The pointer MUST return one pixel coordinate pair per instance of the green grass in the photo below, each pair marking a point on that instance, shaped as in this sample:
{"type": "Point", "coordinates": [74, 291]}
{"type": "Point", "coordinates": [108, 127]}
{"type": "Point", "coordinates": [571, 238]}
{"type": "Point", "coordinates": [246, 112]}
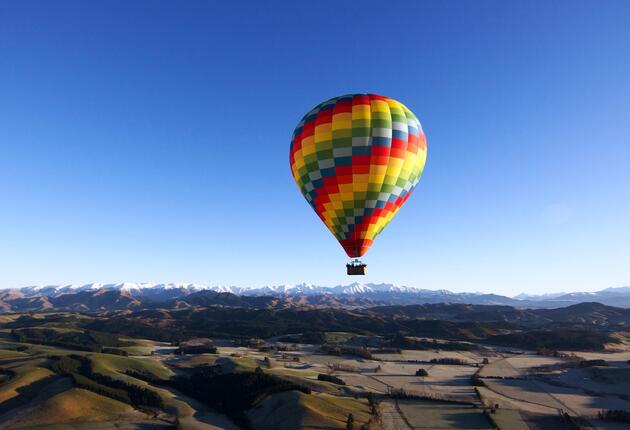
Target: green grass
{"type": "Point", "coordinates": [308, 379]}
{"type": "Point", "coordinates": [338, 336]}
{"type": "Point", "coordinates": [115, 365]}
{"type": "Point", "coordinates": [137, 350]}
{"type": "Point", "coordinates": [237, 364]}
{"type": "Point", "coordinates": [197, 360]}
{"type": "Point", "coordinates": [293, 409]}
{"type": "Point", "coordinates": [7, 353]}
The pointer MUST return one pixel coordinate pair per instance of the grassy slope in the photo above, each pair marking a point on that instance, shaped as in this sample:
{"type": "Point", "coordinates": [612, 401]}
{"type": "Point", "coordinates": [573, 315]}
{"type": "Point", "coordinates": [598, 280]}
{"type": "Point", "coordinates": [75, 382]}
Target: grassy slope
{"type": "Point", "coordinates": [73, 405]}
{"type": "Point", "coordinates": [192, 414]}
{"type": "Point", "coordinates": [293, 409]}
{"type": "Point", "coordinates": [237, 364]}
{"type": "Point", "coordinates": [103, 411]}
{"type": "Point", "coordinates": [115, 365]}
{"type": "Point", "coordinates": [26, 375]}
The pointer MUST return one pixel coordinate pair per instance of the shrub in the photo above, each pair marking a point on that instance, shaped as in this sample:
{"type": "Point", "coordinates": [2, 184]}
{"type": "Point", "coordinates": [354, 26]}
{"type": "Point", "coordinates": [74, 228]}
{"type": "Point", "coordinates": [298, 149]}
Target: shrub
{"type": "Point", "coordinates": [330, 378]}
{"type": "Point", "coordinates": [449, 361]}
{"type": "Point", "coordinates": [618, 415]}
{"type": "Point", "coordinates": [358, 351]}
{"type": "Point", "coordinates": [115, 351]}
{"type": "Point", "coordinates": [590, 363]}
{"type": "Point", "coordinates": [422, 372]}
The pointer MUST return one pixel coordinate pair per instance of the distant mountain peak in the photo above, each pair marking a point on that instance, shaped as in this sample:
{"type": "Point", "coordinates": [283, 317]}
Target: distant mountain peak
{"type": "Point", "coordinates": [371, 292]}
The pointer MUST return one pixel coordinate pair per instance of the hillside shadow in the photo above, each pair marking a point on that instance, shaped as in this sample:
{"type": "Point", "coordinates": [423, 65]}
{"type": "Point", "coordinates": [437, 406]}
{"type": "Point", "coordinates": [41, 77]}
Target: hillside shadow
{"type": "Point", "coordinates": [37, 388]}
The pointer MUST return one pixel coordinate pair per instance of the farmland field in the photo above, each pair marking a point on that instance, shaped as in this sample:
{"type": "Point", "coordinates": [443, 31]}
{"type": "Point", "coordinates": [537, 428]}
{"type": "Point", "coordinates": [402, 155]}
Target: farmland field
{"type": "Point", "coordinates": [442, 415]}
{"type": "Point", "coordinates": [53, 375]}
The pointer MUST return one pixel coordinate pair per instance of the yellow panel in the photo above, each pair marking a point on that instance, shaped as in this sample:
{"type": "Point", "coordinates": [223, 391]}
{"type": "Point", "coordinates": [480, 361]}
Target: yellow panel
{"type": "Point", "coordinates": [323, 132]}
{"type": "Point", "coordinates": [377, 176]}
{"type": "Point", "coordinates": [347, 196]}
{"type": "Point", "coordinates": [377, 179]}
{"type": "Point", "coordinates": [394, 166]}
{"type": "Point", "coordinates": [361, 186]}
{"type": "Point", "coordinates": [379, 106]}
{"type": "Point", "coordinates": [361, 112]}
{"type": "Point", "coordinates": [395, 106]}
{"type": "Point", "coordinates": [407, 167]}
{"type": "Point", "coordinates": [342, 121]}
{"type": "Point", "coordinates": [345, 188]}
{"type": "Point", "coordinates": [360, 179]}
{"type": "Point", "coordinates": [299, 159]}
{"type": "Point", "coordinates": [308, 146]}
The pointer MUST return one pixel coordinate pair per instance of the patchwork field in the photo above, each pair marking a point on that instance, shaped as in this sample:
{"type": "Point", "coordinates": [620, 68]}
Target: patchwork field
{"type": "Point", "coordinates": [442, 415]}
{"type": "Point", "coordinates": [59, 378]}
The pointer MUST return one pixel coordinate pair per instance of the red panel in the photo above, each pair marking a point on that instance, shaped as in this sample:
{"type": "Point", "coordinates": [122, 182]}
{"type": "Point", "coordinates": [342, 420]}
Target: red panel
{"type": "Point", "coordinates": [380, 151]}
{"type": "Point", "coordinates": [360, 100]}
{"type": "Point", "coordinates": [356, 248]}
{"type": "Point", "coordinates": [381, 161]}
{"type": "Point", "coordinates": [324, 116]}
{"type": "Point", "coordinates": [399, 143]}
{"type": "Point", "coordinates": [344, 179]}
{"type": "Point", "coordinates": [342, 106]}
{"type": "Point", "coordinates": [398, 153]}
{"type": "Point", "coordinates": [343, 170]}
{"type": "Point", "coordinates": [360, 159]}
{"type": "Point", "coordinates": [361, 169]}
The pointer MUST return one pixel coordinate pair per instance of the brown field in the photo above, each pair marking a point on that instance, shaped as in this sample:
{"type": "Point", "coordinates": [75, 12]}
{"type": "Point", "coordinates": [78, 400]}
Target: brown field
{"type": "Point", "coordinates": [442, 415]}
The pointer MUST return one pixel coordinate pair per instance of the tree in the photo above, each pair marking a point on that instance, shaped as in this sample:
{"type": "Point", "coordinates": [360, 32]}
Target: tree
{"type": "Point", "coordinates": [422, 372]}
{"type": "Point", "coordinates": [350, 422]}
{"type": "Point", "coordinates": [268, 362]}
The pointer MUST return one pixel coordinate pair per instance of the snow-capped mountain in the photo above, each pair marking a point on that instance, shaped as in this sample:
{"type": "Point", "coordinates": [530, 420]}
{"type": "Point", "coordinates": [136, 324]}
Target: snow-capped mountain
{"type": "Point", "coordinates": [147, 289]}
{"type": "Point", "coordinates": [547, 296]}
{"type": "Point", "coordinates": [378, 293]}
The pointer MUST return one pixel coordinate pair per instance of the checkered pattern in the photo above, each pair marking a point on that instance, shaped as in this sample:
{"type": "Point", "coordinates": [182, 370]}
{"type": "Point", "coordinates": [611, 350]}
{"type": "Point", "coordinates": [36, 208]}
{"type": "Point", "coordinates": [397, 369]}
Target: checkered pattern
{"type": "Point", "coordinates": [356, 159]}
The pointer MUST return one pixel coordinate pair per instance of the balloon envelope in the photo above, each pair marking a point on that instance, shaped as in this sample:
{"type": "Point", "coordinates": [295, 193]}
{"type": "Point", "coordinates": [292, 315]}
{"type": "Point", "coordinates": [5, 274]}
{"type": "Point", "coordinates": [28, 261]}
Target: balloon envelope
{"type": "Point", "coordinates": [356, 159]}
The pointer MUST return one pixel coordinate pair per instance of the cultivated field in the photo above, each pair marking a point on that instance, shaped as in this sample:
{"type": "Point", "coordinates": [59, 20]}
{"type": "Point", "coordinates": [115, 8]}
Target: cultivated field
{"type": "Point", "coordinates": [442, 415]}
{"type": "Point", "coordinates": [135, 383]}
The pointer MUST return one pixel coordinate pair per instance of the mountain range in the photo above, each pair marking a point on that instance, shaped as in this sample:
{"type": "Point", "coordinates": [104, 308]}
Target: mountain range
{"type": "Point", "coordinates": [129, 295]}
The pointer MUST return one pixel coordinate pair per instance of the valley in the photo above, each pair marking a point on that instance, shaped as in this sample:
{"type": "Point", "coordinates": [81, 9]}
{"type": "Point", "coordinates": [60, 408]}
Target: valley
{"type": "Point", "coordinates": [388, 367]}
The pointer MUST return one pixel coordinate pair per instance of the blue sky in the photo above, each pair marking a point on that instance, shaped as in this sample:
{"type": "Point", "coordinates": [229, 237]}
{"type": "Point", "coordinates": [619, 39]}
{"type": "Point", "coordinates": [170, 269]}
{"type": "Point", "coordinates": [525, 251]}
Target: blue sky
{"type": "Point", "coordinates": [148, 141]}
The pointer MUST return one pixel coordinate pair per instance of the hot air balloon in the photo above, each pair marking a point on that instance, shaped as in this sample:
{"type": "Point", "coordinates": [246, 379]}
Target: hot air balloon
{"type": "Point", "coordinates": [356, 159]}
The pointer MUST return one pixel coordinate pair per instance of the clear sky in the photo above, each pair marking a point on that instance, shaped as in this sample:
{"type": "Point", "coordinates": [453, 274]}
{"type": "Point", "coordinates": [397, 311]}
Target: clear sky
{"type": "Point", "coordinates": [148, 141]}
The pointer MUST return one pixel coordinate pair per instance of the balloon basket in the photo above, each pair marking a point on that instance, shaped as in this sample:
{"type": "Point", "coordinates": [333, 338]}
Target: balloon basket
{"type": "Point", "coordinates": [356, 267]}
